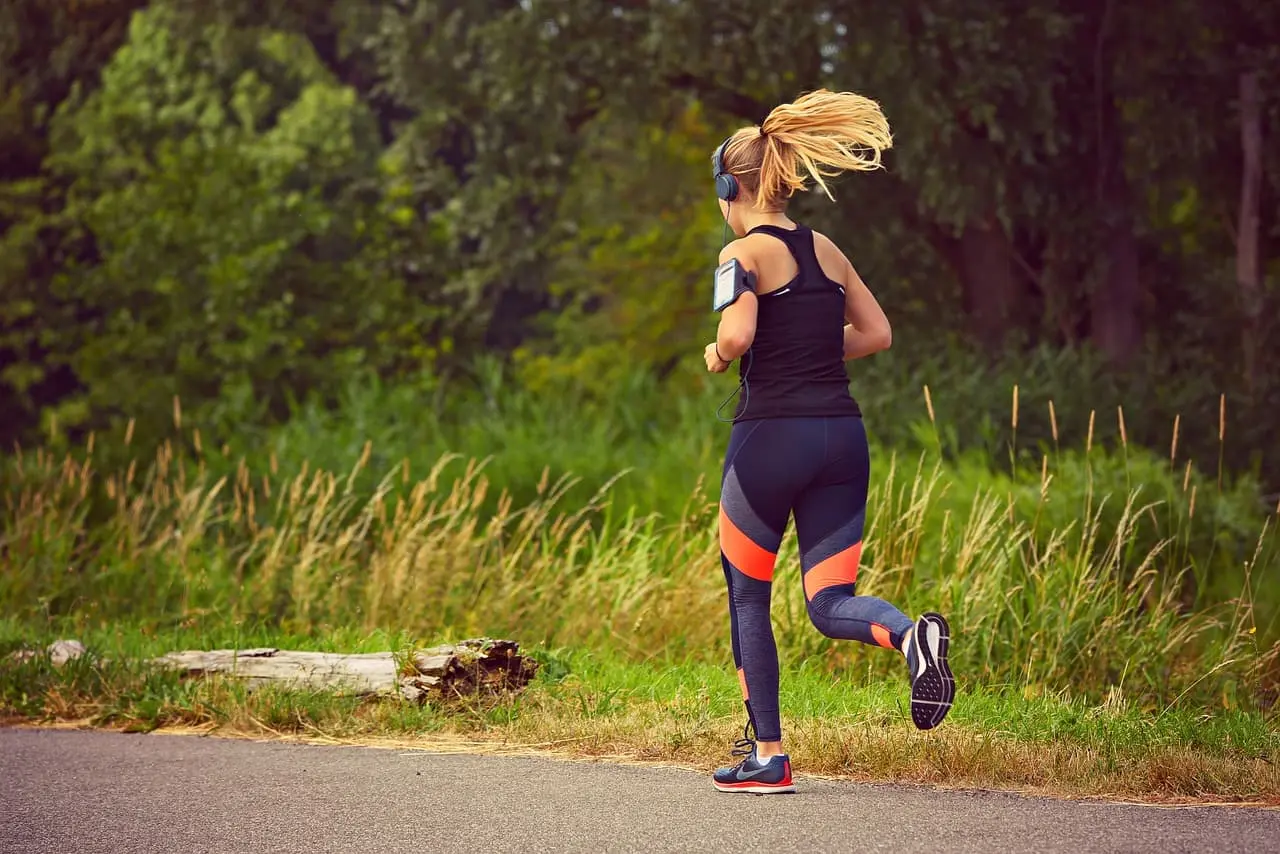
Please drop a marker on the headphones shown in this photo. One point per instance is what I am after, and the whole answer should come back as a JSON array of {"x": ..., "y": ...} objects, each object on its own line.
[{"x": 727, "y": 186}]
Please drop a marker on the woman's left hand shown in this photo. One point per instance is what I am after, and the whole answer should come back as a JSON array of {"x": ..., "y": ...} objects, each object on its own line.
[{"x": 715, "y": 364}]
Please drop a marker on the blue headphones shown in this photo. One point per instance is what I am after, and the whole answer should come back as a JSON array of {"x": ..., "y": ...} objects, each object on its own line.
[{"x": 726, "y": 185}]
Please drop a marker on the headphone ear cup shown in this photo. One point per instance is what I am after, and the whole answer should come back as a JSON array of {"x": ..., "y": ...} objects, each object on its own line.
[{"x": 727, "y": 186}]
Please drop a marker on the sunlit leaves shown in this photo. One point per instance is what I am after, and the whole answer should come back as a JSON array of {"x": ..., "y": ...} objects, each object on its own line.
[{"x": 218, "y": 181}]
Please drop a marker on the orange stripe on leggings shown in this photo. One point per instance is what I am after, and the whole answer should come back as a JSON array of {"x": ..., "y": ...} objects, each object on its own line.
[
  {"x": 742, "y": 680},
  {"x": 743, "y": 552},
  {"x": 840, "y": 568},
  {"x": 882, "y": 636}
]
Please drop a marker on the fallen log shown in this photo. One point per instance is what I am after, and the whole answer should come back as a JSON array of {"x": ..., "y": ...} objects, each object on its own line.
[
  {"x": 480, "y": 666},
  {"x": 368, "y": 673}
]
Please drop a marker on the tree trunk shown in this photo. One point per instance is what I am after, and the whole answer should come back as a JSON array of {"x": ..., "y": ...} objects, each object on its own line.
[
  {"x": 982, "y": 258},
  {"x": 1117, "y": 330},
  {"x": 1059, "y": 282},
  {"x": 987, "y": 276},
  {"x": 1248, "y": 268},
  {"x": 1117, "y": 291}
]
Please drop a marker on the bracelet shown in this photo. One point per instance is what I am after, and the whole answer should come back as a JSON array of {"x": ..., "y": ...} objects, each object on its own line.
[{"x": 722, "y": 358}]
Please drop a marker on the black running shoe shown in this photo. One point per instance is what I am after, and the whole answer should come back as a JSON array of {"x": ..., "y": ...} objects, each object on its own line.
[
  {"x": 771, "y": 776},
  {"x": 933, "y": 688}
]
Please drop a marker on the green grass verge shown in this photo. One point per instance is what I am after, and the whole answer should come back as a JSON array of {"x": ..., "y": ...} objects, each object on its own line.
[
  {"x": 1052, "y": 580},
  {"x": 845, "y": 725}
]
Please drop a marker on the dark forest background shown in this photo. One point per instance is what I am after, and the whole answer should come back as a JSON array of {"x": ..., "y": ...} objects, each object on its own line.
[{"x": 252, "y": 206}]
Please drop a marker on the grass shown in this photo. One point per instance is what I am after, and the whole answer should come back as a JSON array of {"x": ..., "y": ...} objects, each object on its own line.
[
  {"x": 1116, "y": 630},
  {"x": 591, "y": 706},
  {"x": 1054, "y": 585}
]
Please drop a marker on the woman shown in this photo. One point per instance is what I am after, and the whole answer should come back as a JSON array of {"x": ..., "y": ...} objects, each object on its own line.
[{"x": 798, "y": 444}]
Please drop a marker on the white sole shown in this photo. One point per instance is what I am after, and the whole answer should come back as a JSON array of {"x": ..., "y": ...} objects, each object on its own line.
[
  {"x": 756, "y": 790},
  {"x": 933, "y": 692}
]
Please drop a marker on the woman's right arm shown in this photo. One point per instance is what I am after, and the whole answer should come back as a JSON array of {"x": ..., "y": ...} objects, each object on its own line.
[{"x": 867, "y": 330}]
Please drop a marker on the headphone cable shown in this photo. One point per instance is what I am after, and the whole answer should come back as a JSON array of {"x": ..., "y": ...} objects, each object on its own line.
[{"x": 743, "y": 385}]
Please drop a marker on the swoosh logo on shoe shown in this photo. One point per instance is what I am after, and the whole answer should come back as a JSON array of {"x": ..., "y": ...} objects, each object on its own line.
[{"x": 747, "y": 775}]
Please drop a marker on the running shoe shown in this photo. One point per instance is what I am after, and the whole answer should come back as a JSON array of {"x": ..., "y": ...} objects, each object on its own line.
[
  {"x": 770, "y": 776},
  {"x": 933, "y": 688}
]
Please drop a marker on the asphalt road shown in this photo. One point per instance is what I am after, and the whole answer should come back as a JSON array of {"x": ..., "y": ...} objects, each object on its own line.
[{"x": 87, "y": 792}]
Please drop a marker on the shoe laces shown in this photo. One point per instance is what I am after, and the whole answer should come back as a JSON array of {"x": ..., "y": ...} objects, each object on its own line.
[{"x": 745, "y": 746}]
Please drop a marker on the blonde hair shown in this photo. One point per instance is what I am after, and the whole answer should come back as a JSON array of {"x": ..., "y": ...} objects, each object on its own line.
[{"x": 818, "y": 136}]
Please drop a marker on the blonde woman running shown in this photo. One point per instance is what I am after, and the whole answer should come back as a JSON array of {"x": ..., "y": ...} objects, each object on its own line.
[{"x": 798, "y": 445}]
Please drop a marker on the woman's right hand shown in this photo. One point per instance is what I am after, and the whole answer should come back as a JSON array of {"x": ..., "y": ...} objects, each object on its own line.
[{"x": 715, "y": 364}]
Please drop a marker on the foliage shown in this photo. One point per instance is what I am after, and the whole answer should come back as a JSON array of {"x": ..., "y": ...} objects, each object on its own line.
[
  {"x": 247, "y": 203},
  {"x": 662, "y": 436},
  {"x": 45, "y": 50},
  {"x": 1056, "y": 575},
  {"x": 223, "y": 186},
  {"x": 630, "y": 277}
]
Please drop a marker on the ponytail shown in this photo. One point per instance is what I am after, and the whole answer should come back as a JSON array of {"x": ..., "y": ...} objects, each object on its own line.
[{"x": 818, "y": 136}]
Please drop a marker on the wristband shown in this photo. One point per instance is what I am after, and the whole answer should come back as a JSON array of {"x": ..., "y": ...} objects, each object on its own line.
[{"x": 722, "y": 358}]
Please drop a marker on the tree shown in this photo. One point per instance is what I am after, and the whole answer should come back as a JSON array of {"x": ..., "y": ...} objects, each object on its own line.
[
  {"x": 46, "y": 48},
  {"x": 222, "y": 184},
  {"x": 631, "y": 274}
]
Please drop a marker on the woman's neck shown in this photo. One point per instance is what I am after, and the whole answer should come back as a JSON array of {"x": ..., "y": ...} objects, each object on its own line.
[{"x": 752, "y": 218}]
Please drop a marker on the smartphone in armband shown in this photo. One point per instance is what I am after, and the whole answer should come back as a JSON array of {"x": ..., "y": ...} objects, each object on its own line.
[{"x": 732, "y": 281}]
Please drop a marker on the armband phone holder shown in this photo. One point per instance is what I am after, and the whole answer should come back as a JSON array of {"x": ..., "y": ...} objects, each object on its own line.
[{"x": 732, "y": 281}]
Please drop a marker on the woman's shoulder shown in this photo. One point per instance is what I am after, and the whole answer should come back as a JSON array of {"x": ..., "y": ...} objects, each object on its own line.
[
  {"x": 821, "y": 241},
  {"x": 748, "y": 246},
  {"x": 830, "y": 256}
]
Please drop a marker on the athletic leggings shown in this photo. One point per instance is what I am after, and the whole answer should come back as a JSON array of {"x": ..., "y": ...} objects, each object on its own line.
[{"x": 818, "y": 469}]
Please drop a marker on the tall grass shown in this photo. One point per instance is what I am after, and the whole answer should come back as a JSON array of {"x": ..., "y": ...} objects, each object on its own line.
[{"x": 1094, "y": 573}]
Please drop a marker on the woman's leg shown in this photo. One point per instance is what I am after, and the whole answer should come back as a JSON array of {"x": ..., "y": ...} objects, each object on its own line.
[
  {"x": 830, "y": 517},
  {"x": 764, "y": 467},
  {"x": 751, "y": 529}
]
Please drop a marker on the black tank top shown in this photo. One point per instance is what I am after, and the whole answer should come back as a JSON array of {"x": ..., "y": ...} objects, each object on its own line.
[{"x": 795, "y": 366}]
